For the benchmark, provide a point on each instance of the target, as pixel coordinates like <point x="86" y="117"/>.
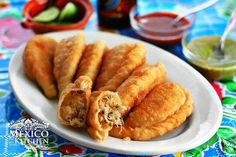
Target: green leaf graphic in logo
<point x="231" y="86"/>
<point x="227" y="140"/>
<point x="228" y="101"/>
<point x="197" y="152"/>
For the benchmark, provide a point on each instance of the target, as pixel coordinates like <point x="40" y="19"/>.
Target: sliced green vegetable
<point x="69" y="12"/>
<point x="47" y="15"/>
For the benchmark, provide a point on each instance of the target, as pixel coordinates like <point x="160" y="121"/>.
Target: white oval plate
<point x="199" y="128"/>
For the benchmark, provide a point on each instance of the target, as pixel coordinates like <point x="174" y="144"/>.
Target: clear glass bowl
<point x="212" y="69"/>
<point x="157" y="34"/>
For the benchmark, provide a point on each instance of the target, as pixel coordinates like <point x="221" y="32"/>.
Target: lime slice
<point x="47" y="15"/>
<point x="69" y="12"/>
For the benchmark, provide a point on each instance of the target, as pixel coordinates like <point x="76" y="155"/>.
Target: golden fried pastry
<point x="165" y="108"/>
<point x="112" y="60"/>
<point x="132" y="60"/>
<point x="163" y="101"/>
<point x="67" y="56"/>
<point x="104" y="113"/>
<point x="139" y="84"/>
<point x="73" y="102"/>
<point x="38" y="63"/>
<point x="91" y="60"/>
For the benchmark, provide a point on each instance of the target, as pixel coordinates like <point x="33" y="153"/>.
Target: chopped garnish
<point x="109" y="111"/>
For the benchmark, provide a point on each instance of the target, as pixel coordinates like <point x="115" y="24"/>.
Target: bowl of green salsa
<point x="199" y="47"/>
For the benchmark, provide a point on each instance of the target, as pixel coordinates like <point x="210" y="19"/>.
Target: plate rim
<point x="99" y="146"/>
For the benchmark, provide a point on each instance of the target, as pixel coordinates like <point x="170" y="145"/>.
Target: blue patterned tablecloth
<point x="223" y="143"/>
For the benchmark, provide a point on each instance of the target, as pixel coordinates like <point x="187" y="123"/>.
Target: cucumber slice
<point x="47" y="15"/>
<point x="69" y="12"/>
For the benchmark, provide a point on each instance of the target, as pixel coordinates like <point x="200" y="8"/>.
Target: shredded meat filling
<point x="75" y="112"/>
<point x="109" y="112"/>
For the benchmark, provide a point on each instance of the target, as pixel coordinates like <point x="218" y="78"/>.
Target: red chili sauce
<point x="157" y="27"/>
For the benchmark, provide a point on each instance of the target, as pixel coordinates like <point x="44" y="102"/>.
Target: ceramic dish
<point x="200" y="127"/>
<point x="32" y="8"/>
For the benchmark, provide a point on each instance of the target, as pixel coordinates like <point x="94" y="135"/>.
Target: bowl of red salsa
<point x="156" y="25"/>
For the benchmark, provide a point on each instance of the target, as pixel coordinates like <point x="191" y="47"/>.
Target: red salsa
<point x="158" y="27"/>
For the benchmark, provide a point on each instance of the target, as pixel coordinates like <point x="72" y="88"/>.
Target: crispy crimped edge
<point x="64" y="79"/>
<point x="107" y="58"/>
<point x="161" y="128"/>
<point x="126" y="67"/>
<point x="29" y="70"/>
<point x="98" y="49"/>
<point x="124" y="87"/>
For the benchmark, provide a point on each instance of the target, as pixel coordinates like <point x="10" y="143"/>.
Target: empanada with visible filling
<point x="164" y="109"/>
<point x="104" y="113"/>
<point x="38" y="63"/>
<point x="73" y="102"/>
<point x="139" y="84"/>
<point x="67" y="56"/>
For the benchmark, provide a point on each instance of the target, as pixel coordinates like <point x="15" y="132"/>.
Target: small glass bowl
<point x="160" y="35"/>
<point x="212" y="69"/>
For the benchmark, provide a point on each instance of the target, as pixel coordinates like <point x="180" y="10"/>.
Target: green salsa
<point x="204" y="58"/>
<point x="204" y="48"/>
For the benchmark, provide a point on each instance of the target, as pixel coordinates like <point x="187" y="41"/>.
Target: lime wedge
<point x="47" y="15"/>
<point x="69" y="12"/>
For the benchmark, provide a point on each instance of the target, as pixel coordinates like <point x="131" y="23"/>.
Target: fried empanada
<point x="139" y="84"/>
<point x="67" y="56"/>
<point x="38" y="63"/>
<point x="165" y="108"/>
<point x="104" y="113"/>
<point x="131" y="60"/>
<point x="91" y="60"/>
<point x="73" y="102"/>
<point x="112" y="60"/>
